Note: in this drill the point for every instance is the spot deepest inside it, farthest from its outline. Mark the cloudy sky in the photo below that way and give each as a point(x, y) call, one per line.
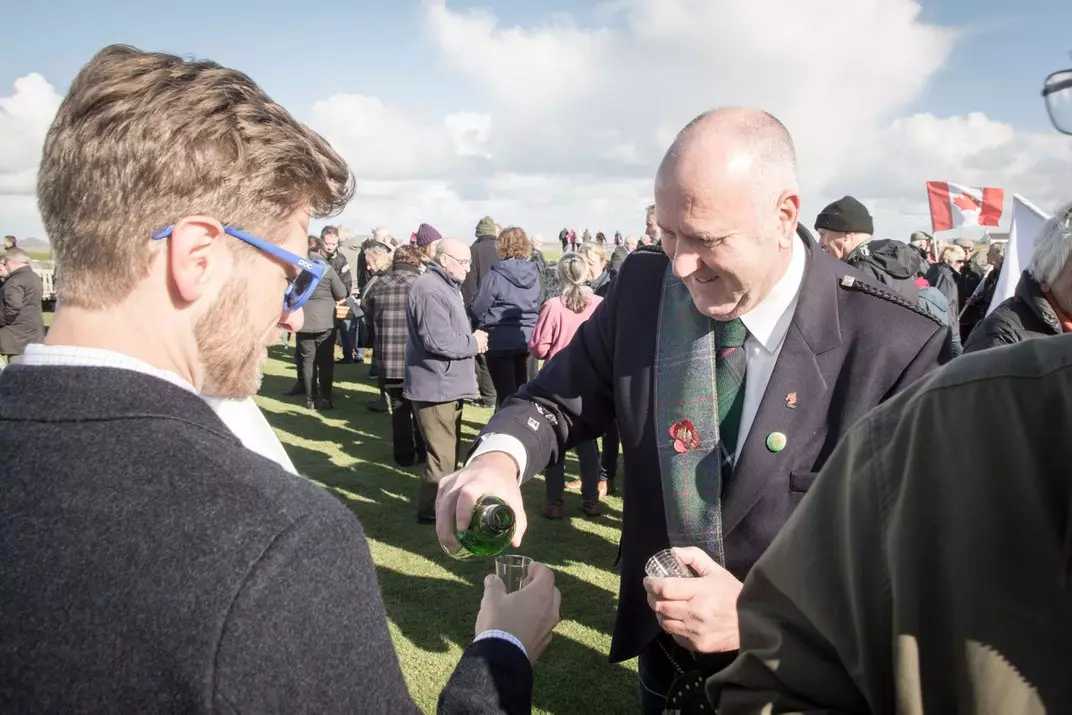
point(555, 113)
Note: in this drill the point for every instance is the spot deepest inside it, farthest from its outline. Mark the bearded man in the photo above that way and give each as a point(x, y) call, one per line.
point(150, 562)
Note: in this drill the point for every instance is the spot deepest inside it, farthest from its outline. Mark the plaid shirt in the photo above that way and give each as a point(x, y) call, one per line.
point(386, 304)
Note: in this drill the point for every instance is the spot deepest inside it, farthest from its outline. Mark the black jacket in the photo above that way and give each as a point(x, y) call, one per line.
point(846, 350)
point(320, 308)
point(973, 312)
point(616, 260)
point(152, 564)
point(891, 263)
point(342, 267)
point(485, 255)
point(1024, 316)
point(21, 320)
point(944, 278)
point(969, 279)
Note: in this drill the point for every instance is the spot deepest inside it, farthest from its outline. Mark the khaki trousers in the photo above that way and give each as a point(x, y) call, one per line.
point(441, 427)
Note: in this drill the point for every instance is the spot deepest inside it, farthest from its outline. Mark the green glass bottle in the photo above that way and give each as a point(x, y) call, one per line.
point(490, 529)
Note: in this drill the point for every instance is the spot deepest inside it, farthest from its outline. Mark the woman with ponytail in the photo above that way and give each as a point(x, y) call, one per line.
point(560, 318)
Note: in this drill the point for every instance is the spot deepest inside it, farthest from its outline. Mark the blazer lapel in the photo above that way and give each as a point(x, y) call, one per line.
point(796, 400)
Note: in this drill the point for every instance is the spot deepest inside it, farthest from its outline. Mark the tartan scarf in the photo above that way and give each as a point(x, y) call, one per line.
point(693, 459)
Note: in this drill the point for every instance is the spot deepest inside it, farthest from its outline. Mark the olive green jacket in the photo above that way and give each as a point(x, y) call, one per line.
point(929, 569)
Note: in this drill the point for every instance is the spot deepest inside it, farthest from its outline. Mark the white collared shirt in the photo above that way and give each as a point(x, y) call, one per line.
point(767, 323)
point(242, 417)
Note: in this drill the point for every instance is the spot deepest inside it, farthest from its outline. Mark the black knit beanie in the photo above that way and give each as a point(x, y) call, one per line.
point(846, 215)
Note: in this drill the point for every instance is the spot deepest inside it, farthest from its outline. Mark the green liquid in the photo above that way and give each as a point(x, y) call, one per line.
point(490, 530)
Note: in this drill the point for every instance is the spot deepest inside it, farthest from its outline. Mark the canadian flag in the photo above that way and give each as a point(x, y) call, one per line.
point(953, 205)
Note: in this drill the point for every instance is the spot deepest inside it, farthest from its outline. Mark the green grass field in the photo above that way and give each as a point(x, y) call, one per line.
point(431, 599)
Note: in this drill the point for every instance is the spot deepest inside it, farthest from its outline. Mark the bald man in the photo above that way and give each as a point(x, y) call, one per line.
point(440, 373)
point(733, 363)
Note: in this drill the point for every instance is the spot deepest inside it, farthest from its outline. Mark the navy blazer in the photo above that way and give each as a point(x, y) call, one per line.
point(849, 347)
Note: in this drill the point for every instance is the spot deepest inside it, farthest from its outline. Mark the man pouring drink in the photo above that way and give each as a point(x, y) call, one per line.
point(733, 364)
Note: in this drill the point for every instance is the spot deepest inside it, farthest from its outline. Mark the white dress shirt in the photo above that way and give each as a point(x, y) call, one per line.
point(767, 325)
point(242, 417)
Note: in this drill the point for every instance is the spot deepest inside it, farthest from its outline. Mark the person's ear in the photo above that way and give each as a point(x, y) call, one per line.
point(788, 215)
point(192, 256)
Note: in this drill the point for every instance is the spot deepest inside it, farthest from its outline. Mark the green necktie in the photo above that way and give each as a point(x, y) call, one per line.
point(730, 364)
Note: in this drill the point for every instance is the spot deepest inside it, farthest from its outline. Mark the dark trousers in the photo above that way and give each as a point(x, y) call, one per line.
point(347, 336)
point(509, 371)
point(405, 432)
point(609, 459)
point(555, 475)
point(298, 384)
point(317, 358)
point(483, 380)
point(441, 428)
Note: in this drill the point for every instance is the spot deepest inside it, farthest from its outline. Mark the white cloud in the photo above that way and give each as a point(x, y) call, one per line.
point(24, 120)
point(386, 142)
point(888, 170)
point(569, 120)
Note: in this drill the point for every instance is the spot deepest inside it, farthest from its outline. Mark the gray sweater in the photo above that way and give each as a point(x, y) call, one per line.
point(151, 564)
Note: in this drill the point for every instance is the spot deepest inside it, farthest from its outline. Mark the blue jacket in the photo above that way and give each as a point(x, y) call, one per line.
point(441, 347)
point(508, 304)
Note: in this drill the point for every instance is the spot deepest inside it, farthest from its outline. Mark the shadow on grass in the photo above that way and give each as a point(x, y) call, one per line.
point(348, 451)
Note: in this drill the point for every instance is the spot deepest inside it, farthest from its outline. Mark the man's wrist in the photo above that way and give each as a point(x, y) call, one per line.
point(502, 635)
point(506, 444)
point(499, 462)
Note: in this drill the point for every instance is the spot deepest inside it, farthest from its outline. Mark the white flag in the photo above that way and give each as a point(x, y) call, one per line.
point(1027, 221)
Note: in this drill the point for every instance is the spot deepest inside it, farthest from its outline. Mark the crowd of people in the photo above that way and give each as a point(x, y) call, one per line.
point(782, 403)
point(448, 324)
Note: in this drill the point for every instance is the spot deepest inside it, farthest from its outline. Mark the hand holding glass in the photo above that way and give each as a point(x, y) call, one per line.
point(665, 565)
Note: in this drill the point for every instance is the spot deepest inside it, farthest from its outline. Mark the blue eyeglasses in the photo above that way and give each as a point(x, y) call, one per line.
point(300, 288)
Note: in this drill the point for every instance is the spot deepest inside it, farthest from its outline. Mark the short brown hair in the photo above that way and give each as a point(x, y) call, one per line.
point(409, 255)
point(143, 139)
point(513, 243)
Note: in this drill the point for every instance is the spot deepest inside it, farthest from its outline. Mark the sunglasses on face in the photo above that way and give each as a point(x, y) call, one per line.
point(299, 288)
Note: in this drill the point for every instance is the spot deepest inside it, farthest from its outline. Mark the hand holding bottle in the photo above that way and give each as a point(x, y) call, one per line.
point(495, 474)
point(530, 615)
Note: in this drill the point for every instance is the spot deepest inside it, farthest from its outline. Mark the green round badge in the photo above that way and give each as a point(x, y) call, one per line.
point(776, 441)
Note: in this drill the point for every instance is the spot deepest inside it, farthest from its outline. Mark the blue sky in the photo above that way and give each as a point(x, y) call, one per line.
point(391, 52)
point(378, 48)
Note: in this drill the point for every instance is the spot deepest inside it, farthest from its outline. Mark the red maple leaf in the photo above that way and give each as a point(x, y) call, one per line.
point(967, 203)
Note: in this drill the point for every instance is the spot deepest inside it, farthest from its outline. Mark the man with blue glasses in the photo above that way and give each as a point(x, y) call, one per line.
point(150, 562)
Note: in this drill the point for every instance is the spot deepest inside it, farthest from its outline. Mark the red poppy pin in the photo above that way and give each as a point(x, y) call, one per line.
point(685, 437)
point(791, 400)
